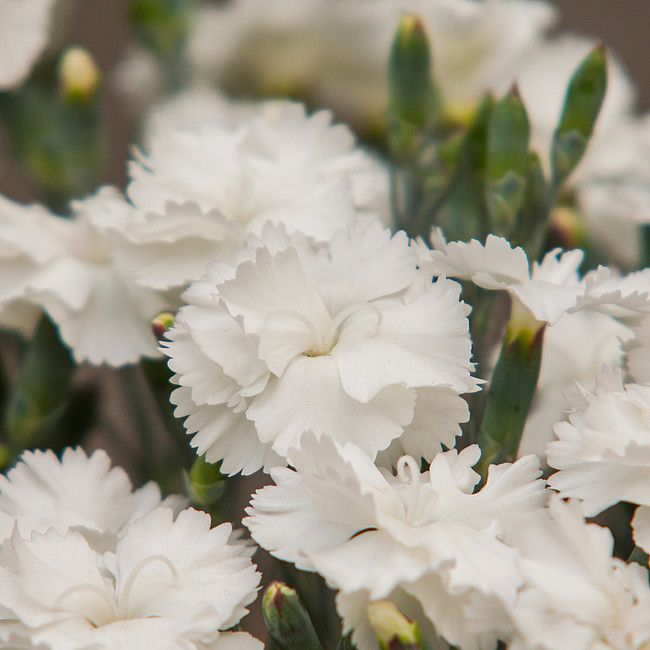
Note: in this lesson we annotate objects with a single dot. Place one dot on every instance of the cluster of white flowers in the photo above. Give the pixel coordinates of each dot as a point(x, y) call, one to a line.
point(313, 343)
point(103, 274)
point(85, 562)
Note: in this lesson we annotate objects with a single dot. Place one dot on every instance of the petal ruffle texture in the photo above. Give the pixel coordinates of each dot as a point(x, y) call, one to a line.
point(297, 336)
point(411, 533)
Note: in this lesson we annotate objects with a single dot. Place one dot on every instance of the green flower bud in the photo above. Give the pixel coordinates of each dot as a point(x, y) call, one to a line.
point(287, 620)
point(413, 97)
point(582, 103)
point(507, 162)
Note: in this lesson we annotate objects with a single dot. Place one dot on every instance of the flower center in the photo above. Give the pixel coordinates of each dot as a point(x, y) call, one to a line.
point(99, 607)
point(365, 316)
point(88, 245)
point(416, 496)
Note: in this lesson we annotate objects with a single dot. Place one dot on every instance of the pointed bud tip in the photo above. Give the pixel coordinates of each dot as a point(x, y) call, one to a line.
point(79, 76)
point(275, 593)
point(410, 25)
point(514, 91)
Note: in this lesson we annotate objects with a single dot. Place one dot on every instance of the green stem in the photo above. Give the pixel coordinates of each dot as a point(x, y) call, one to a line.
point(135, 390)
point(645, 246)
point(510, 395)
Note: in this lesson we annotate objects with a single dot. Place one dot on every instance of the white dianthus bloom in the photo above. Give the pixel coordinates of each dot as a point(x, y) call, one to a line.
point(340, 338)
point(72, 269)
point(372, 534)
point(550, 289)
point(279, 164)
point(170, 583)
point(196, 108)
point(603, 451)
point(78, 492)
point(24, 31)
point(577, 596)
point(545, 292)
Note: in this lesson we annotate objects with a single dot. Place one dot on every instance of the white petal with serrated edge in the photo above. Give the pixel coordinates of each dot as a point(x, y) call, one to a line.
point(414, 345)
point(309, 396)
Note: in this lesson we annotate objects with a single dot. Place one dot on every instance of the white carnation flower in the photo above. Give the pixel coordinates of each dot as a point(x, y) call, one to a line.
point(603, 451)
point(171, 583)
point(72, 268)
point(340, 338)
point(545, 292)
point(80, 492)
point(577, 596)
point(200, 189)
point(548, 290)
point(24, 31)
point(373, 535)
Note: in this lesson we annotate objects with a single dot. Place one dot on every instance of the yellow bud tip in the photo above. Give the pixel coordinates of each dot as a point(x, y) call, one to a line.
point(79, 76)
point(410, 26)
point(567, 229)
point(390, 624)
point(161, 324)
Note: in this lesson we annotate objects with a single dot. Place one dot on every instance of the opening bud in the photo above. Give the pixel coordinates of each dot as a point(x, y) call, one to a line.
point(79, 76)
point(394, 631)
point(287, 620)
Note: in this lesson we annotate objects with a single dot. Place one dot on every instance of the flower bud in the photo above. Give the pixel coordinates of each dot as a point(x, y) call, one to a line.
point(413, 98)
point(161, 324)
point(287, 620)
point(394, 631)
point(582, 104)
point(78, 75)
point(507, 162)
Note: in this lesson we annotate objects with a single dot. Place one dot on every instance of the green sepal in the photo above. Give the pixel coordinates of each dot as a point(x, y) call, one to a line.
point(582, 103)
point(510, 394)
point(207, 484)
point(286, 619)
